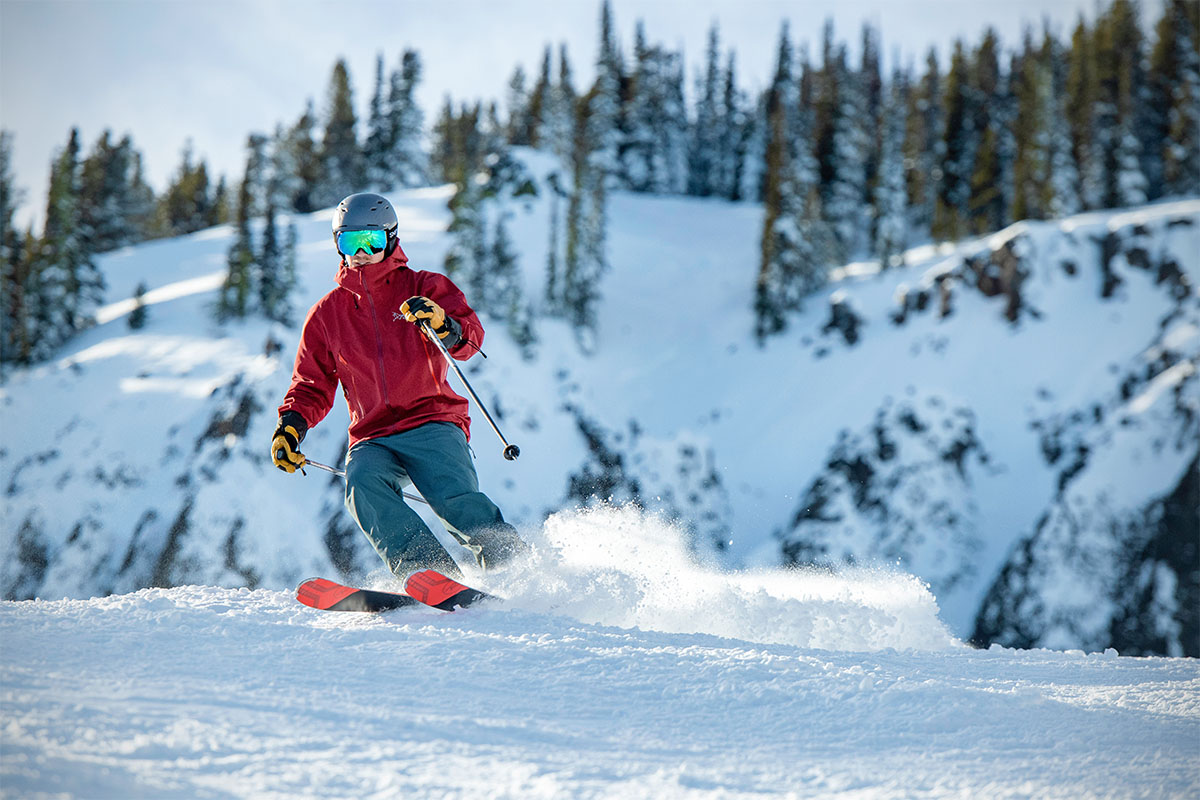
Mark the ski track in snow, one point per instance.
(641, 686)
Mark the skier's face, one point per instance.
(363, 258)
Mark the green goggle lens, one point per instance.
(350, 242)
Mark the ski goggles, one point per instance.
(350, 242)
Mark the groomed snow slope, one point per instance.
(203, 692)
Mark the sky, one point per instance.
(169, 72)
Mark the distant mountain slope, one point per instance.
(926, 417)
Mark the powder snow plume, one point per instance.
(622, 567)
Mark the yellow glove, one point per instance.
(422, 309)
(285, 442)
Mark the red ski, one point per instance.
(427, 587)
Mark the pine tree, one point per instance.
(606, 101)
(520, 123)
(137, 317)
(557, 124)
(654, 157)
(1083, 95)
(237, 293)
(408, 163)
(540, 101)
(797, 245)
(924, 144)
(950, 211)
(187, 205)
(870, 82)
(378, 145)
(891, 196)
(1121, 81)
(1060, 183)
(1031, 84)
(1175, 88)
(704, 149)
(845, 204)
(342, 161)
(585, 261)
(14, 345)
(986, 204)
(302, 172)
(109, 198)
(65, 262)
(731, 155)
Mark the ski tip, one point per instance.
(322, 593)
(434, 589)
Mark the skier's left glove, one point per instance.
(285, 442)
(422, 309)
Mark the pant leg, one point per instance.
(374, 483)
(438, 460)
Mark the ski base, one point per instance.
(427, 587)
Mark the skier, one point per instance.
(406, 424)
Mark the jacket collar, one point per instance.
(372, 275)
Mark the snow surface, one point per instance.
(593, 681)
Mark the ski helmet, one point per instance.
(367, 211)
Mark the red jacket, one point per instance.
(394, 379)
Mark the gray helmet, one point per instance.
(366, 211)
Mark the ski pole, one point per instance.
(342, 474)
(511, 451)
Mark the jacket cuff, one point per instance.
(294, 419)
(455, 337)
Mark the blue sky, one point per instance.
(167, 71)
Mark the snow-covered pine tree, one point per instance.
(407, 161)
(343, 167)
(891, 196)
(870, 82)
(557, 123)
(1118, 54)
(797, 245)
(845, 203)
(731, 157)
(606, 101)
(654, 158)
(708, 126)
(1060, 184)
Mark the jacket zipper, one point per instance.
(378, 342)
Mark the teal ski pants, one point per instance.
(435, 458)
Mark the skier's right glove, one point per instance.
(285, 442)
